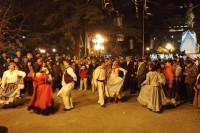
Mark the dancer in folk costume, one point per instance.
(152, 94)
(196, 101)
(42, 98)
(68, 79)
(115, 82)
(99, 80)
(11, 84)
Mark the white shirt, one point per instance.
(100, 73)
(11, 77)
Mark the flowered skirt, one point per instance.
(10, 92)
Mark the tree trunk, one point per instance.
(77, 44)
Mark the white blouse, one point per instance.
(11, 76)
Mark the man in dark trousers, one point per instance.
(142, 71)
(129, 78)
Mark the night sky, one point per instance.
(164, 12)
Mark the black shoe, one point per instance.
(29, 108)
(5, 106)
(111, 99)
(103, 106)
(66, 109)
(123, 99)
(123, 90)
(133, 92)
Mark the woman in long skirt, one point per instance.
(196, 101)
(115, 82)
(152, 95)
(11, 84)
(42, 99)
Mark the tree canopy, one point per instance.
(52, 22)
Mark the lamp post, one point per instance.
(98, 41)
(143, 32)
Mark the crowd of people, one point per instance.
(160, 82)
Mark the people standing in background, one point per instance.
(19, 56)
(3, 60)
(128, 66)
(142, 71)
(38, 64)
(27, 67)
(83, 73)
(178, 74)
(169, 86)
(91, 67)
(18, 63)
(191, 72)
(57, 75)
(30, 58)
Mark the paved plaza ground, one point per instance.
(89, 117)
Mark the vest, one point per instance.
(67, 78)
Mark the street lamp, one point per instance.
(169, 47)
(98, 41)
(54, 50)
(147, 49)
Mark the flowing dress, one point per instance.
(10, 86)
(196, 101)
(152, 95)
(42, 98)
(115, 82)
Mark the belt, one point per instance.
(100, 80)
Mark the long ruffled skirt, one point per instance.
(114, 86)
(10, 92)
(152, 97)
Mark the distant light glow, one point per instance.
(98, 40)
(169, 46)
(99, 47)
(173, 30)
(42, 50)
(54, 50)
